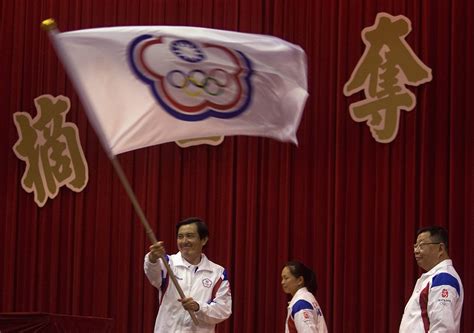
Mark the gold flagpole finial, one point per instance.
(48, 25)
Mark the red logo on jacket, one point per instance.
(444, 293)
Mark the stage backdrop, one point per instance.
(343, 203)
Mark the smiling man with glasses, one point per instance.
(436, 302)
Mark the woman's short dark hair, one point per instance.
(200, 224)
(298, 269)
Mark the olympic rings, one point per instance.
(212, 83)
(170, 79)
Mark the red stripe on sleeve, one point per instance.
(215, 289)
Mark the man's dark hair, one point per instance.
(200, 224)
(298, 269)
(437, 234)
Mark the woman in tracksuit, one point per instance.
(304, 312)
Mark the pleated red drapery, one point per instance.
(342, 203)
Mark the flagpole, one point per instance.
(148, 230)
(50, 26)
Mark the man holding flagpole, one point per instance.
(147, 85)
(204, 282)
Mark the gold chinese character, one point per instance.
(387, 65)
(51, 148)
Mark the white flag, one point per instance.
(148, 85)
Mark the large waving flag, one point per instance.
(148, 85)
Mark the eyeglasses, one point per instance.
(416, 246)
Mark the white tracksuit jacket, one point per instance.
(436, 302)
(206, 283)
(304, 314)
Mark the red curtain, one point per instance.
(344, 204)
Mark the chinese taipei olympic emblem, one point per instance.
(191, 80)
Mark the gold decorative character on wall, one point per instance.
(386, 67)
(51, 149)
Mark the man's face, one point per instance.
(427, 254)
(189, 243)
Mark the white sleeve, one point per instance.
(305, 321)
(442, 303)
(220, 307)
(308, 318)
(153, 271)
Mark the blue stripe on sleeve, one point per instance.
(446, 279)
(225, 275)
(300, 305)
